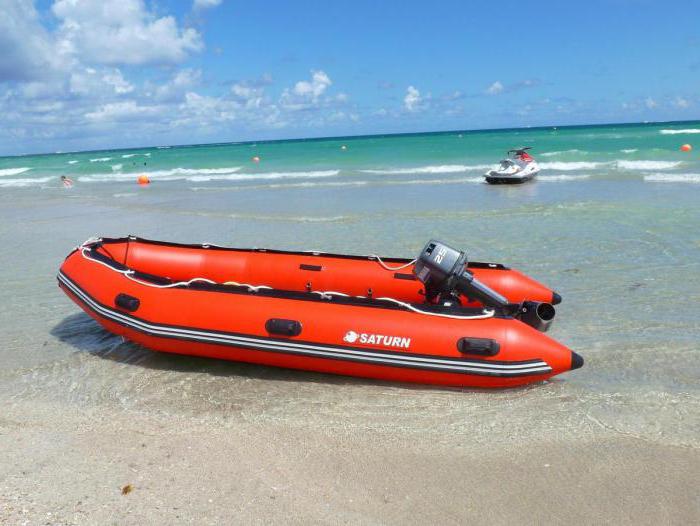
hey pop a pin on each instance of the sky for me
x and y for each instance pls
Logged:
(97, 74)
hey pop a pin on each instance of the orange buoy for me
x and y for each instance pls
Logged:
(686, 148)
(143, 179)
(256, 159)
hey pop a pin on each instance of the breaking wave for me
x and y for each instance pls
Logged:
(647, 165)
(569, 166)
(206, 174)
(73, 162)
(101, 160)
(687, 131)
(673, 178)
(560, 178)
(433, 169)
(19, 183)
(13, 171)
(563, 152)
(265, 175)
(629, 150)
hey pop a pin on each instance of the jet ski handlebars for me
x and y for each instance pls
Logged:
(520, 151)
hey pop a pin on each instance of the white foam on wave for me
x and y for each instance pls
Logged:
(559, 178)
(570, 166)
(673, 178)
(629, 150)
(19, 183)
(73, 162)
(432, 169)
(563, 152)
(163, 175)
(130, 155)
(206, 174)
(13, 171)
(117, 167)
(265, 175)
(101, 160)
(687, 131)
(647, 165)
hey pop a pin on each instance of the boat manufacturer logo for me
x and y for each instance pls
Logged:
(377, 339)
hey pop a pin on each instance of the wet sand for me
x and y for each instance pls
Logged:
(68, 467)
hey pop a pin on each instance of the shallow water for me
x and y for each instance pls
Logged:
(623, 250)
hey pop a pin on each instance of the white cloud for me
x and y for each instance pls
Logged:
(25, 46)
(90, 82)
(314, 89)
(495, 88)
(306, 94)
(182, 81)
(205, 4)
(250, 95)
(650, 103)
(122, 111)
(116, 32)
(412, 101)
(680, 102)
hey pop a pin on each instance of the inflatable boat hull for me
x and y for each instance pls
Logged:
(303, 330)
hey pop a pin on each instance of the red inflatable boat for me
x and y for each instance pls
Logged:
(434, 320)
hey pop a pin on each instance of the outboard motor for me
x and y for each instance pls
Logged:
(443, 271)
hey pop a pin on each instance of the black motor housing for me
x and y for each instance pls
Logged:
(443, 270)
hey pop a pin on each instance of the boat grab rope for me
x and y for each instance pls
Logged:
(486, 313)
(387, 267)
(128, 273)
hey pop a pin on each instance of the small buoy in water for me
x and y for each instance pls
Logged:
(256, 159)
(343, 147)
(143, 179)
(686, 148)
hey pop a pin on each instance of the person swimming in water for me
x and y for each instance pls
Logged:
(67, 182)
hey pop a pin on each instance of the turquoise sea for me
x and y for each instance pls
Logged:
(612, 223)
(648, 152)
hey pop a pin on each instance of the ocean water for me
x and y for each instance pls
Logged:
(612, 223)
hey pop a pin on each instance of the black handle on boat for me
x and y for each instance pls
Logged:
(283, 327)
(127, 302)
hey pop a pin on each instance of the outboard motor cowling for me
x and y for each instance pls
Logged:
(442, 270)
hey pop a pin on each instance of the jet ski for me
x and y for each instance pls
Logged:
(519, 167)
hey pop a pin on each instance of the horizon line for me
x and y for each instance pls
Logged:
(359, 136)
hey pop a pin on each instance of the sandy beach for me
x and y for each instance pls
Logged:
(67, 466)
